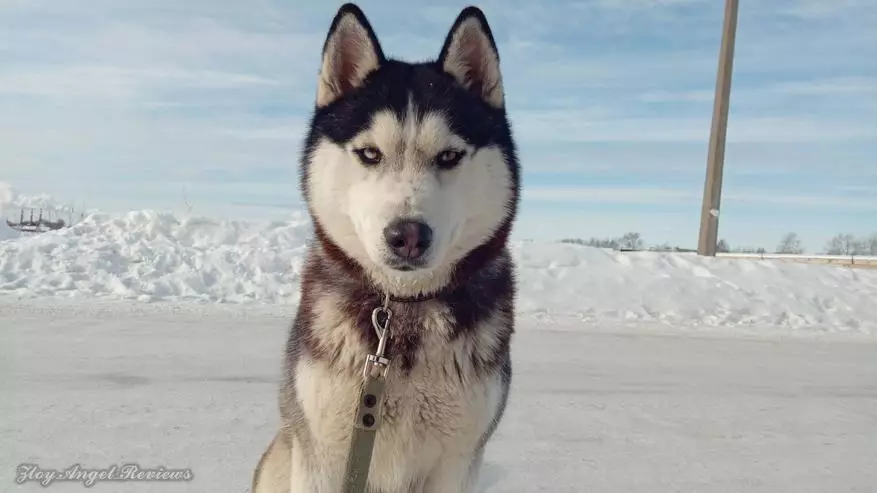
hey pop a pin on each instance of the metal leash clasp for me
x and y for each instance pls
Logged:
(369, 411)
(376, 364)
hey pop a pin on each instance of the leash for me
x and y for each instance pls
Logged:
(367, 417)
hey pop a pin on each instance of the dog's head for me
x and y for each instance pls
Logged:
(409, 168)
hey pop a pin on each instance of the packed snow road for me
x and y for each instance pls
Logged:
(632, 410)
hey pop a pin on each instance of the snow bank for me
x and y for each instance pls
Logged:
(7, 195)
(595, 285)
(6, 233)
(149, 256)
(154, 256)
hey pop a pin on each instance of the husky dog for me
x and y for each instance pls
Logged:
(411, 178)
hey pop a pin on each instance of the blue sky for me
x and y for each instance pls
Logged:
(124, 104)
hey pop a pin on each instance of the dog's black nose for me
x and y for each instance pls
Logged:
(408, 239)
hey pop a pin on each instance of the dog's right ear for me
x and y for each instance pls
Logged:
(350, 53)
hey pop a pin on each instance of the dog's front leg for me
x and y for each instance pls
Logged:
(454, 475)
(315, 470)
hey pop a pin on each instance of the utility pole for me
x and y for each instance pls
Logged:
(712, 189)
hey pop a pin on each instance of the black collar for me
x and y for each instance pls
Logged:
(416, 299)
(419, 297)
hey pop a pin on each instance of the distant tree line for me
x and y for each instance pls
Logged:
(840, 244)
(790, 243)
(629, 241)
(847, 244)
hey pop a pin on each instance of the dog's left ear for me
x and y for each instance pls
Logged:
(351, 52)
(470, 56)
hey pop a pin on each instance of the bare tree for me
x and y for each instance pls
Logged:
(631, 241)
(603, 243)
(748, 249)
(790, 244)
(664, 247)
(186, 201)
(593, 242)
(722, 246)
(870, 246)
(842, 244)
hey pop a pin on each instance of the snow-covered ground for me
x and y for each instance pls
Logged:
(153, 338)
(154, 256)
(193, 386)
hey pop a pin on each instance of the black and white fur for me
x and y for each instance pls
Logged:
(428, 143)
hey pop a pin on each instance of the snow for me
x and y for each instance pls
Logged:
(6, 233)
(188, 385)
(7, 197)
(155, 338)
(153, 256)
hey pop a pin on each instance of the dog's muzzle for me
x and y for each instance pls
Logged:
(408, 240)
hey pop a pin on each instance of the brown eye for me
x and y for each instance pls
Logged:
(449, 158)
(369, 155)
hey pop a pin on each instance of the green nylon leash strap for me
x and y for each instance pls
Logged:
(367, 418)
(365, 429)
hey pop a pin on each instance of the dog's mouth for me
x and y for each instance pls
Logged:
(408, 265)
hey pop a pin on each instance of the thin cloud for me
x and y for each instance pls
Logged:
(539, 126)
(837, 89)
(290, 132)
(770, 197)
(100, 82)
(818, 9)
(668, 196)
(693, 96)
(607, 195)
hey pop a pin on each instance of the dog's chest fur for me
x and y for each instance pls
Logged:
(446, 385)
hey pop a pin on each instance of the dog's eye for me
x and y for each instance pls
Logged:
(369, 155)
(449, 158)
